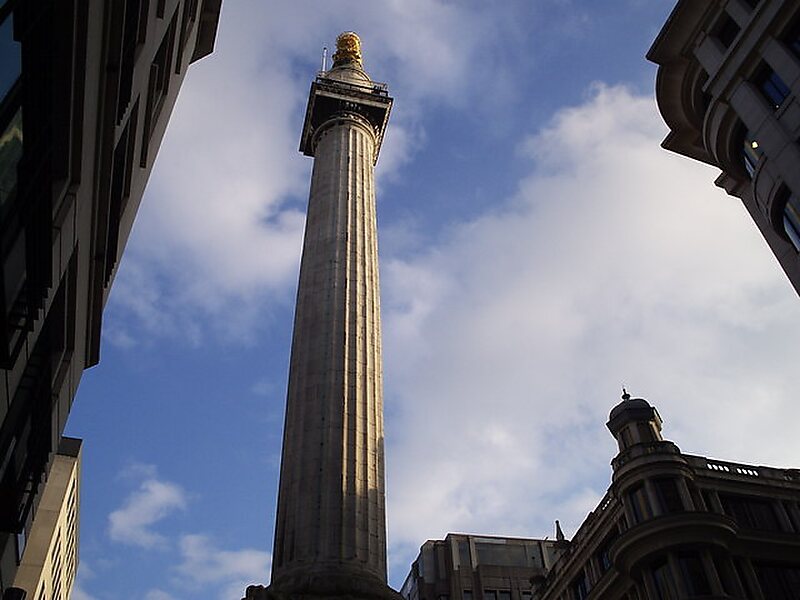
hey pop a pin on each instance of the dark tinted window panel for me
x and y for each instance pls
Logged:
(778, 582)
(772, 87)
(694, 574)
(751, 513)
(726, 30)
(791, 225)
(668, 495)
(9, 56)
(509, 555)
(10, 155)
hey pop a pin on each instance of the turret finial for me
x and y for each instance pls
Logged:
(348, 49)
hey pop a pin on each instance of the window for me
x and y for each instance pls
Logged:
(750, 513)
(10, 65)
(507, 555)
(663, 581)
(603, 554)
(791, 222)
(10, 155)
(668, 495)
(772, 87)
(187, 22)
(504, 595)
(580, 587)
(726, 30)
(640, 506)
(792, 39)
(466, 595)
(738, 567)
(778, 581)
(158, 85)
(751, 153)
(694, 574)
(463, 555)
(489, 595)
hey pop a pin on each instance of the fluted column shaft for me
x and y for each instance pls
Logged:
(331, 506)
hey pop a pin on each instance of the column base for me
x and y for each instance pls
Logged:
(320, 587)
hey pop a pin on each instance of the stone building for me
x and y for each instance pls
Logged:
(472, 567)
(50, 561)
(86, 89)
(672, 526)
(728, 87)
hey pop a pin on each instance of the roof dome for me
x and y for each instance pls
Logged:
(628, 404)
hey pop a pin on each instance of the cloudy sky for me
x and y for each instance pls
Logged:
(538, 251)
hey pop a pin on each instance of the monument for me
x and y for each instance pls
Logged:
(330, 533)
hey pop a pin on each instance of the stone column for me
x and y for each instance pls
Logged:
(330, 537)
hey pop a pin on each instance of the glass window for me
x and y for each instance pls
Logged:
(751, 153)
(10, 154)
(9, 57)
(772, 87)
(663, 581)
(463, 555)
(778, 582)
(791, 220)
(694, 574)
(507, 555)
(467, 595)
(640, 506)
(580, 587)
(668, 495)
(504, 595)
(726, 30)
(750, 513)
(489, 595)
(793, 39)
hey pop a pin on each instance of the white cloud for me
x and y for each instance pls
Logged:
(229, 572)
(507, 343)
(152, 502)
(220, 228)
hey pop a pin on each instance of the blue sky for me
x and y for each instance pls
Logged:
(538, 250)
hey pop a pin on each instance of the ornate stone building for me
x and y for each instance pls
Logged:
(86, 90)
(671, 526)
(674, 525)
(728, 87)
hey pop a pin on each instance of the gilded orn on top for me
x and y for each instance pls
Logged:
(348, 48)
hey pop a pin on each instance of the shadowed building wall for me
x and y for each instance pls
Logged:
(728, 87)
(86, 90)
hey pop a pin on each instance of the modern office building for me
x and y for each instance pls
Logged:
(50, 560)
(672, 526)
(86, 89)
(476, 567)
(728, 87)
(330, 529)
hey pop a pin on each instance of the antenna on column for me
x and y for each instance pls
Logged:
(324, 58)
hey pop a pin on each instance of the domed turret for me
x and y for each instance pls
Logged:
(634, 421)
